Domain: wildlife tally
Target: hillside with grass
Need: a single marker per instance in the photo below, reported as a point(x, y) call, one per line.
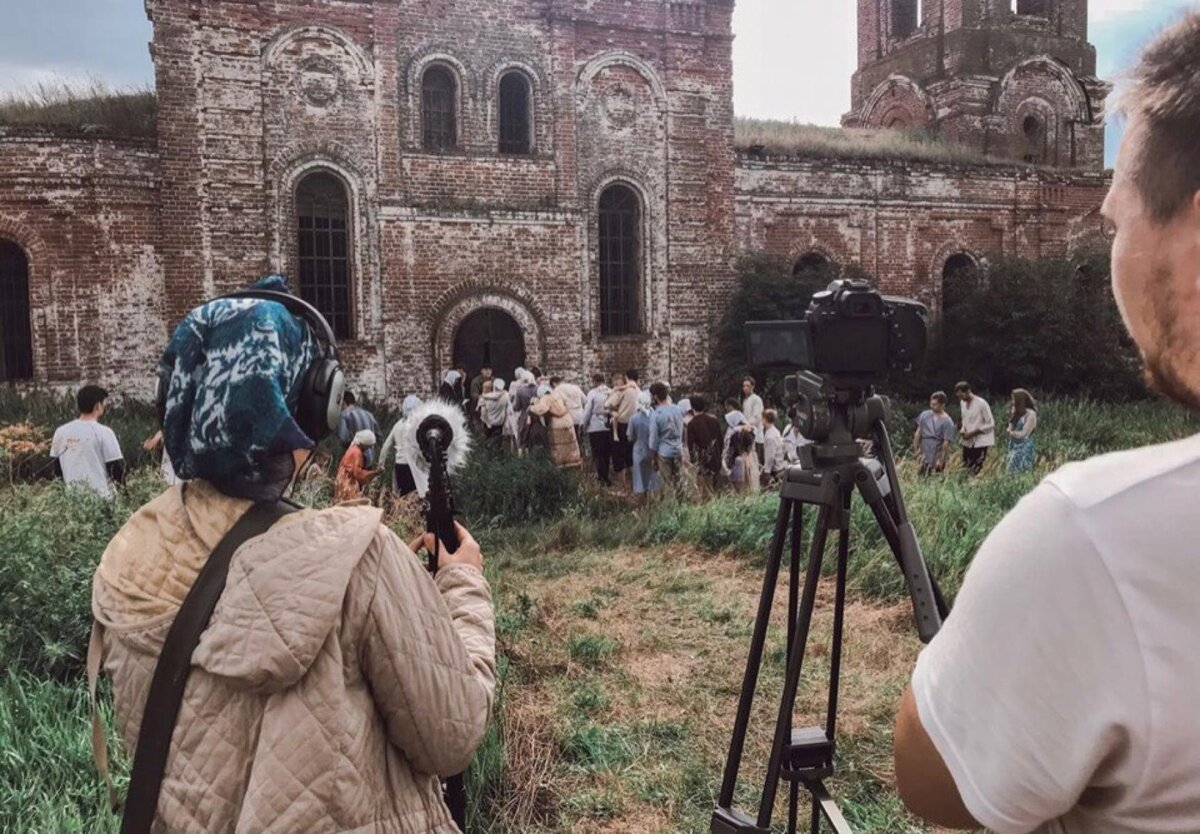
point(622, 634)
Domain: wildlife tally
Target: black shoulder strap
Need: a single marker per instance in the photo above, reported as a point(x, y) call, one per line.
point(175, 663)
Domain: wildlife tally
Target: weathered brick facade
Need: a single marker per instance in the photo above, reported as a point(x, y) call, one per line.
point(1012, 78)
point(122, 237)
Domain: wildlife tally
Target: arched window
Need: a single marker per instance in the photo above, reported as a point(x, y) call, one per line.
point(620, 214)
point(1034, 129)
point(439, 109)
point(16, 336)
point(323, 245)
point(955, 275)
point(516, 117)
point(810, 262)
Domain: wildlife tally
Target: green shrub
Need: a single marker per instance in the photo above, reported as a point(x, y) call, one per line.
point(51, 538)
point(1050, 324)
point(498, 488)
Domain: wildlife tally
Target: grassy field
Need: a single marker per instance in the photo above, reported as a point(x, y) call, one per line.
point(622, 639)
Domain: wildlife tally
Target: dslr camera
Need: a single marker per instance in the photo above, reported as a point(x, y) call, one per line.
point(850, 332)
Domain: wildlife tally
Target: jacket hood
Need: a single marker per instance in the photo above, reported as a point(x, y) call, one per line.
point(282, 598)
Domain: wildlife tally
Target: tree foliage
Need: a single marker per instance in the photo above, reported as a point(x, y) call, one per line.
point(1049, 324)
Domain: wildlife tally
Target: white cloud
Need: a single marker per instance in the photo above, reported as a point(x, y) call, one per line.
point(1102, 11)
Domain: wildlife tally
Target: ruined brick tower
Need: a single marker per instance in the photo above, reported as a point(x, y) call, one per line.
point(1010, 78)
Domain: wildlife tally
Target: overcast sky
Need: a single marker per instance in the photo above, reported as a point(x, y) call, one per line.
point(792, 58)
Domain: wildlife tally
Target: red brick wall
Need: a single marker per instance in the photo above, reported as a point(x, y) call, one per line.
point(85, 211)
point(901, 221)
point(258, 94)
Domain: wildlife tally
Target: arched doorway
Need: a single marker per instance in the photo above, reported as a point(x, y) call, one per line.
point(489, 337)
point(16, 338)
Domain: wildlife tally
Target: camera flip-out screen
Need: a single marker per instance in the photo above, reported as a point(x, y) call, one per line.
point(778, 344)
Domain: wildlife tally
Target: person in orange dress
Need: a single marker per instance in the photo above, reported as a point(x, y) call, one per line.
point(352, 472)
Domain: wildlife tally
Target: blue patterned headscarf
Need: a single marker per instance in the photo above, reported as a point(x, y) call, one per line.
point(235, 367)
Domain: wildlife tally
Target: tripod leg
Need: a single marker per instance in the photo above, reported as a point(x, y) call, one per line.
point(839, 615)
point(754, 660)
point(783, 725)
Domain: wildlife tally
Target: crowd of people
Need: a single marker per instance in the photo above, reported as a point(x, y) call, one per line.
point(639, 441)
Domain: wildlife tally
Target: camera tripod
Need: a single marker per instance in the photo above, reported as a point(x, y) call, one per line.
point(832, 471)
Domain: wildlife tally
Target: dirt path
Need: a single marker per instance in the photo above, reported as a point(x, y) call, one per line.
point(625, 670)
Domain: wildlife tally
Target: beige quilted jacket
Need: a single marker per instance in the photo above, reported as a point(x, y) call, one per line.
point(335, 678)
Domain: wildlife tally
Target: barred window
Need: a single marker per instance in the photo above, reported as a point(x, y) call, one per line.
point(439, 111)
point(620, 239)
point(515, 117)
point(16, 336)
point(323, 237)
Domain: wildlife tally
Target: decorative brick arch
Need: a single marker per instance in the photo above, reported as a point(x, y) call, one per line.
point(281, 41)
point(932, 291)
point(898, 97)
point(37, 277)
point(1079, 104)
point(622, 58)
point(455, 305)
point(800, 252)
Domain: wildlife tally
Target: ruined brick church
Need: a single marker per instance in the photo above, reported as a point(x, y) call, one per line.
point(539, 182)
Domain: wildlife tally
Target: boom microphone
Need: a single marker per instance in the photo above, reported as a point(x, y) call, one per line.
point(435, 445)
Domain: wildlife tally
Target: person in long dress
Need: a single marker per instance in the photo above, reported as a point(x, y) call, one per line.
point(645, 477)
point(1021, 451)
point(402, 477)
point(353, 473)
point(560, 428)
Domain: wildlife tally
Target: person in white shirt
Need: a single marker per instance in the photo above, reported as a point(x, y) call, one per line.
point(752, 408)
point(773, 447)
point(1061, 693)
point(978, 429)
point(84, 451)
point(596, 424)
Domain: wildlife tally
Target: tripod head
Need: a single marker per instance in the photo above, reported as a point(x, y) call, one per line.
point(834, 413)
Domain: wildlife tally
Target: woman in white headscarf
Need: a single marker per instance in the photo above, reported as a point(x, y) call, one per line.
point(352, 472)
point(402, 478)
point(450, 390)
point(645, 476)
point(564, 445)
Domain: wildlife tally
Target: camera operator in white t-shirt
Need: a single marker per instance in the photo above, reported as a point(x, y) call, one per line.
point(86, 452)
point(1063, 693)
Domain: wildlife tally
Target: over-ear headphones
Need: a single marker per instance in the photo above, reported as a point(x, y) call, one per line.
point(319, 406)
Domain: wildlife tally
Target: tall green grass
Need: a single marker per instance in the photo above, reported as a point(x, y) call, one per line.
point(51, 539)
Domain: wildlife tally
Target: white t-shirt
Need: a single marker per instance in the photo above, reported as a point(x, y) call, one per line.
point(976, 415)
point(1063, 692)
point(83, 447)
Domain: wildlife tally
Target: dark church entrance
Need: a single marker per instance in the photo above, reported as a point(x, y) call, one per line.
point(489, 337)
